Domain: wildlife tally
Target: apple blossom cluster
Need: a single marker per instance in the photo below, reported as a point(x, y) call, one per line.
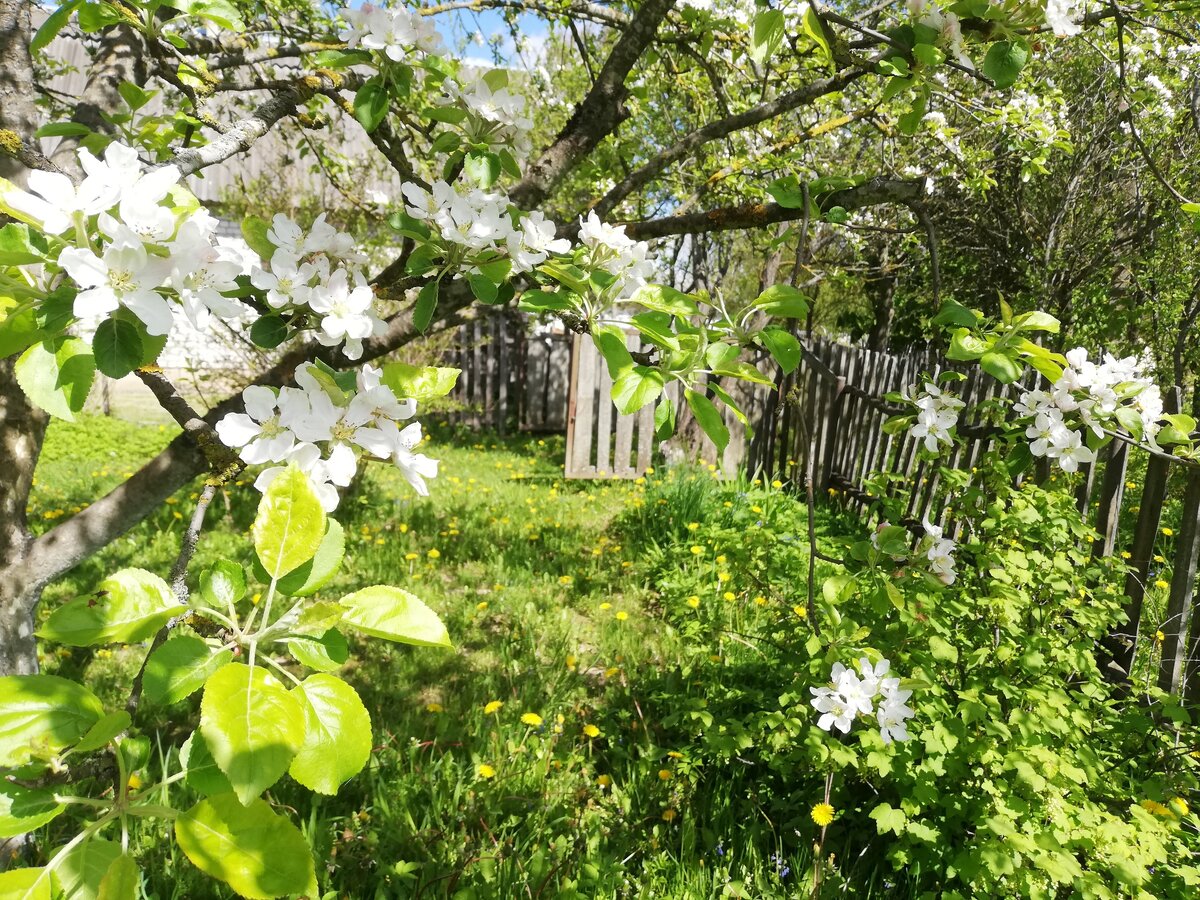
point(323, 429)
point(937, 413)
point(1093, 393)
point(319, 273)
point(609, 248)
point(940, 553)
point(849, 695)
point(142, 252)
point(496, 116)
point(393, 30)
point(948, 26)
point(480, 222)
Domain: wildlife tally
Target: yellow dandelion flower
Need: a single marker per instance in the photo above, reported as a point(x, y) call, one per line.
point(760, 601)
point(1159, 637)
point(533, 720)
point(606, 605)
point(434, 707)
point(822, 814)
point(622, 616)
point(612, 672)
point(1178, 805)
point(571, 661)
point(492, 706)
point(777, 484)
point(729, 595)
point(411, 556)
point(697, 550)
point(800, 610)
point(591, 731)
point(1155, 807)
point(1125, 554)
point(434, 554)
point(565, 579)
point(693, 601)
point(669, 815)
point(692, 526)
point(481, 605)
point(723, 576)
point(134, 782)
point(674, 754)
point(1168, 532)
point(664, 774)
point(604, 781)
point(1162, 585)
point(486, 771)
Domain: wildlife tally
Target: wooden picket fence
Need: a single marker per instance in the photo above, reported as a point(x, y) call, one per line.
point(830, 413)
point(511, 379)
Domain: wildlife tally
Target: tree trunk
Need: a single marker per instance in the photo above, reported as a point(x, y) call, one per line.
point(17, 112)
point(22, 427)
point(880, 286)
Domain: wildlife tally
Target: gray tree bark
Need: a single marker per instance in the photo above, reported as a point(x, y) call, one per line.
point(17, 112)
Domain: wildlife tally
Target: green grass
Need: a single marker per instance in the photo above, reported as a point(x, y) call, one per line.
point(585, 603)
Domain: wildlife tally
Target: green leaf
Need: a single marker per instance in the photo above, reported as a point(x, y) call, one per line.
point(252, 725)
point(256, 852)
point(290, 524)
point(117, 348)
point(423, 309)
point(955, 314)
point(254, 230)
point(709, 418)
point(888, 818)
point(1037, 321)
point(395, 615)
point(222, 584)
point(783, 347)
point(660, 298)
point(18, 330)
point(966, 346)
point(483, 288)
point(326, 653)
point(135, 98)
point(56, 375)
point(420, 383)
point(340, 59)
point(62, 129)
point(42, 714)
point(766, 34)
point(179, 668)
point(222, 12)
point(81, 869)
point(337, 736)
point(610, 341)
point(813, 28)
point(656, 327)
point(483, 168)
point(664, 419)
point(313, 575)
point(122, 881)
point(1004, 62)
point(203, 773)
point(26, 884)
point(127, 607)
point(536, 301)
point(1000, 366)
point(24, 809)
point(105, 730)
point(371, 103)
point(269, 331)
point(942, 650)
point(636, 387)
point(782, 300)
point(55, 22)
point(15, 246)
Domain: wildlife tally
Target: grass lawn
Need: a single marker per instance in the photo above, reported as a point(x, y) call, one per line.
point(565, 746)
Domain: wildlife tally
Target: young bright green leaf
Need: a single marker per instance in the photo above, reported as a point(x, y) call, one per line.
point(636, 387)
point(784, 301)
point(222, 12)
point(482, 167)
point(222, 584)
point(783, 346)
point(327, 652)
point(887, 818)
point(56, 375)
point(16, 249)
point(203, 773)
point(955, 314)
point(257, 852)
point(536, 301)
point(709, 418)
point(337, 735)
point(81, 869)
point(420, 383)
point(253, 727)
point(660, 298)
point(122, 881)
point(813, 28)
point(1037, 321)
point(127, 607)
point(766, 34)
point(55, 22)
point(307, 579)
point(656, 327)
point(1000, 366)
point(42, 714)
point(102, 732)
point(290, 524)
point(664, 419)
point(179, 668)
point(483, 288)
point(394, 615)
point(24, 809)
point(117, 348)
point(966, 346)
point(26, 884)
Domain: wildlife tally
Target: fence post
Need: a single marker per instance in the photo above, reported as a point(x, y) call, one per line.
point(1183, 580)
point(1120, 646)
point(1112, 493)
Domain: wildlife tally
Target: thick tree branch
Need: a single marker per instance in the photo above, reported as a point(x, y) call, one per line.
point(875, 192)
point(803, 96)
point(598, 114)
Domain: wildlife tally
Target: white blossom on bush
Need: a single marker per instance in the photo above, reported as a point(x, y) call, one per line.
point(937, 413)
point(850, 695)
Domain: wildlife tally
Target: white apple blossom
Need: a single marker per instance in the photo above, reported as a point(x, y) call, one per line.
point(938, 412)
point(264, 432)
point(849, 696)
point(123, 274)
point(940, 553)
